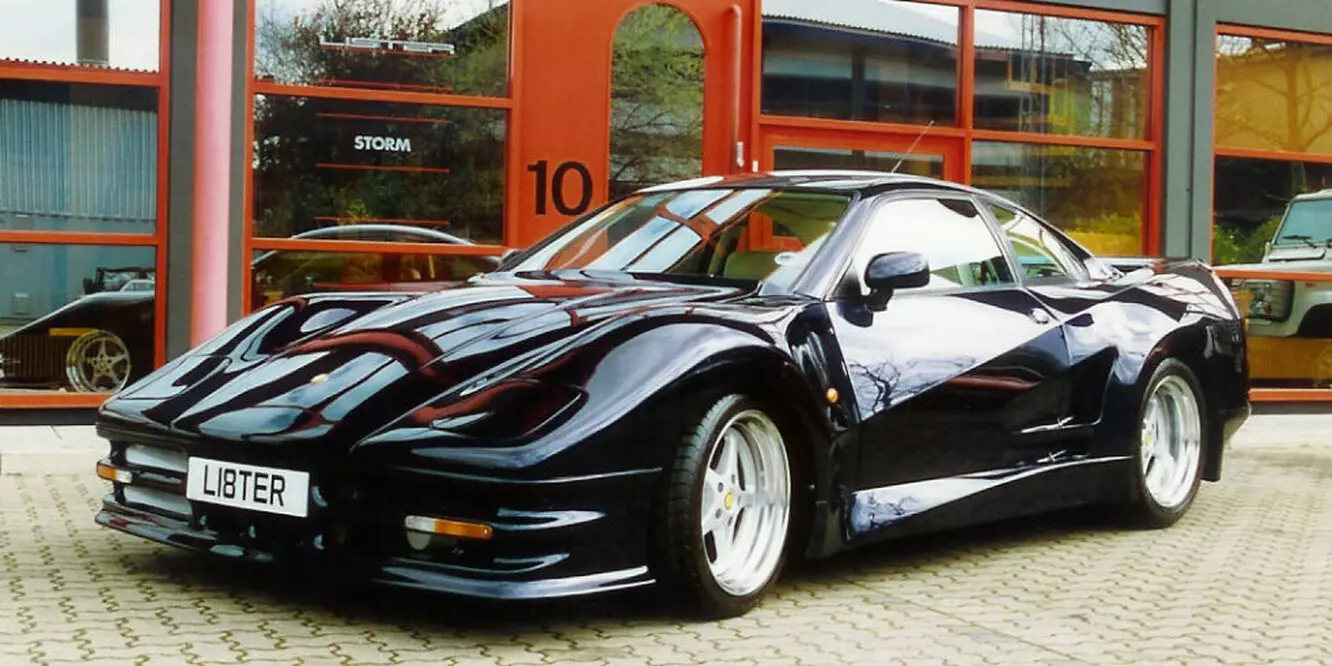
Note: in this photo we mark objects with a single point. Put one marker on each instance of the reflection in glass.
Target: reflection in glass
(950, 233)
(1289, 329)
(917, 164)
(1093, 194)
(1250, 197)
(1055, 75)
(77, 157)
(876, 60)
(435, 46)
(76, 318)
(737, 234)
(656, 100)
(279, 274)
(1272, 95)
(326, 163)
(114, 34)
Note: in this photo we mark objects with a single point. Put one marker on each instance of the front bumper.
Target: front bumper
(551, 538)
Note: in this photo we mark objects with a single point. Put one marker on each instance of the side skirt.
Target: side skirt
(942, 504)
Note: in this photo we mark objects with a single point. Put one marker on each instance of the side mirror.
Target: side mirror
(895, 270)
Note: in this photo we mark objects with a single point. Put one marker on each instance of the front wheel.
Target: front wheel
(727, 506)
(1172, 430)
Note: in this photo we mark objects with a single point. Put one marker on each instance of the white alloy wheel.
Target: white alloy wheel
(745, 507)
(1171, 442)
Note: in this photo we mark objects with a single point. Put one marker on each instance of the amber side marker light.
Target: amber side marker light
(453, 528)
(111, 473)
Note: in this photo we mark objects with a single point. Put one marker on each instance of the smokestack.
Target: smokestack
(92, 30)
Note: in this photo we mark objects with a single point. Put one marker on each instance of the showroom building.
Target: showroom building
(168, 165)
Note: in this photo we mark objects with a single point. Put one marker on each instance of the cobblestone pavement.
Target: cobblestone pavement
(1243, 579)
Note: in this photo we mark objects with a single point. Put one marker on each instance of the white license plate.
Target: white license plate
(265, 489)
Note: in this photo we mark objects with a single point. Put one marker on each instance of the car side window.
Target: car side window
(1040, 254)
(951, 234)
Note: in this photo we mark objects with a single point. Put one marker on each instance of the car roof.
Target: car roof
(1314, 196)
(851, 181)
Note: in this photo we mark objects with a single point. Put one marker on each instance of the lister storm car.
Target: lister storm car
(687, 387)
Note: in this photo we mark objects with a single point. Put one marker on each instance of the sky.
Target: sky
(43, 30)
(455, 12)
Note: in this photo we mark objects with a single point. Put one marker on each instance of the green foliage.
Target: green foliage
(1242, 246)
(656, 99)
(294, 135)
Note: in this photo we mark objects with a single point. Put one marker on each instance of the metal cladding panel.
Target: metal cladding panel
(64, 162)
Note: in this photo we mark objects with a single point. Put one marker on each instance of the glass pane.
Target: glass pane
(1289, 326)
(918, 164)
(656, 100)
(1093, 194)
(114, 34)
(884, 61)
(325, 163)
(77, 157)
(76, 318)
(1250, 198)
(1272, 95)
(952, 235)
(1056, 75)
(436, 46)
(279, 274)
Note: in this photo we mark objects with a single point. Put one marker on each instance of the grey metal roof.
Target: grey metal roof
(886, 16)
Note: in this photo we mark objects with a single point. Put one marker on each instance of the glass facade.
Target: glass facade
(889, 61)
(436, 46)
(1271, 224)
(1094, 194)
(1054, 75)
(76, 318)
(390, 143)
(321, 163)
(120, 35)
(82, 155)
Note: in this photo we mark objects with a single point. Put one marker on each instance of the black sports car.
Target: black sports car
(687, 386)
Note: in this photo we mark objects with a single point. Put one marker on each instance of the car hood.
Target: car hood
(338, 368)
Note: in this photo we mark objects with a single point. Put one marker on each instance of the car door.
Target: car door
(944, 376)
(1055, 274)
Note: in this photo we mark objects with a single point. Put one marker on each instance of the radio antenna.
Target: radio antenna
(912, 149)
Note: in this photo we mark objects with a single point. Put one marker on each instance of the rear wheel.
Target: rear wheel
(723, 537)
(1172, 430)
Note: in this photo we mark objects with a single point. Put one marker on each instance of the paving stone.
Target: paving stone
(1245, 578)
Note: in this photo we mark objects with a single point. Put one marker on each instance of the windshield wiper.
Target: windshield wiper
(1307, 240)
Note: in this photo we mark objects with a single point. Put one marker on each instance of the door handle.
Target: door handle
(1040, 316)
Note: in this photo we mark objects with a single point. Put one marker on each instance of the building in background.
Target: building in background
(409, 142)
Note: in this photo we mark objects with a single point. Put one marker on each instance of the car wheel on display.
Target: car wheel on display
(1172, 430)
(98, 362)
(727, 510)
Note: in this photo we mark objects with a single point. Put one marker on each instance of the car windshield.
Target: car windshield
(729, 233)
(1307, 222)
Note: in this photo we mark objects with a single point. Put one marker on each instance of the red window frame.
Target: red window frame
(160, 81)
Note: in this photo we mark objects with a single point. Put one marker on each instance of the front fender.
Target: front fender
(616, 376)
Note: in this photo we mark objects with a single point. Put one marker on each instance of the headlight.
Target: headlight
(1264, 299)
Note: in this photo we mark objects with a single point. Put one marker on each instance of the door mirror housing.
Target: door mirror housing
(895, 270)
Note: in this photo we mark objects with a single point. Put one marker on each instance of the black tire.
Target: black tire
(1144, 511)
(680, 558)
